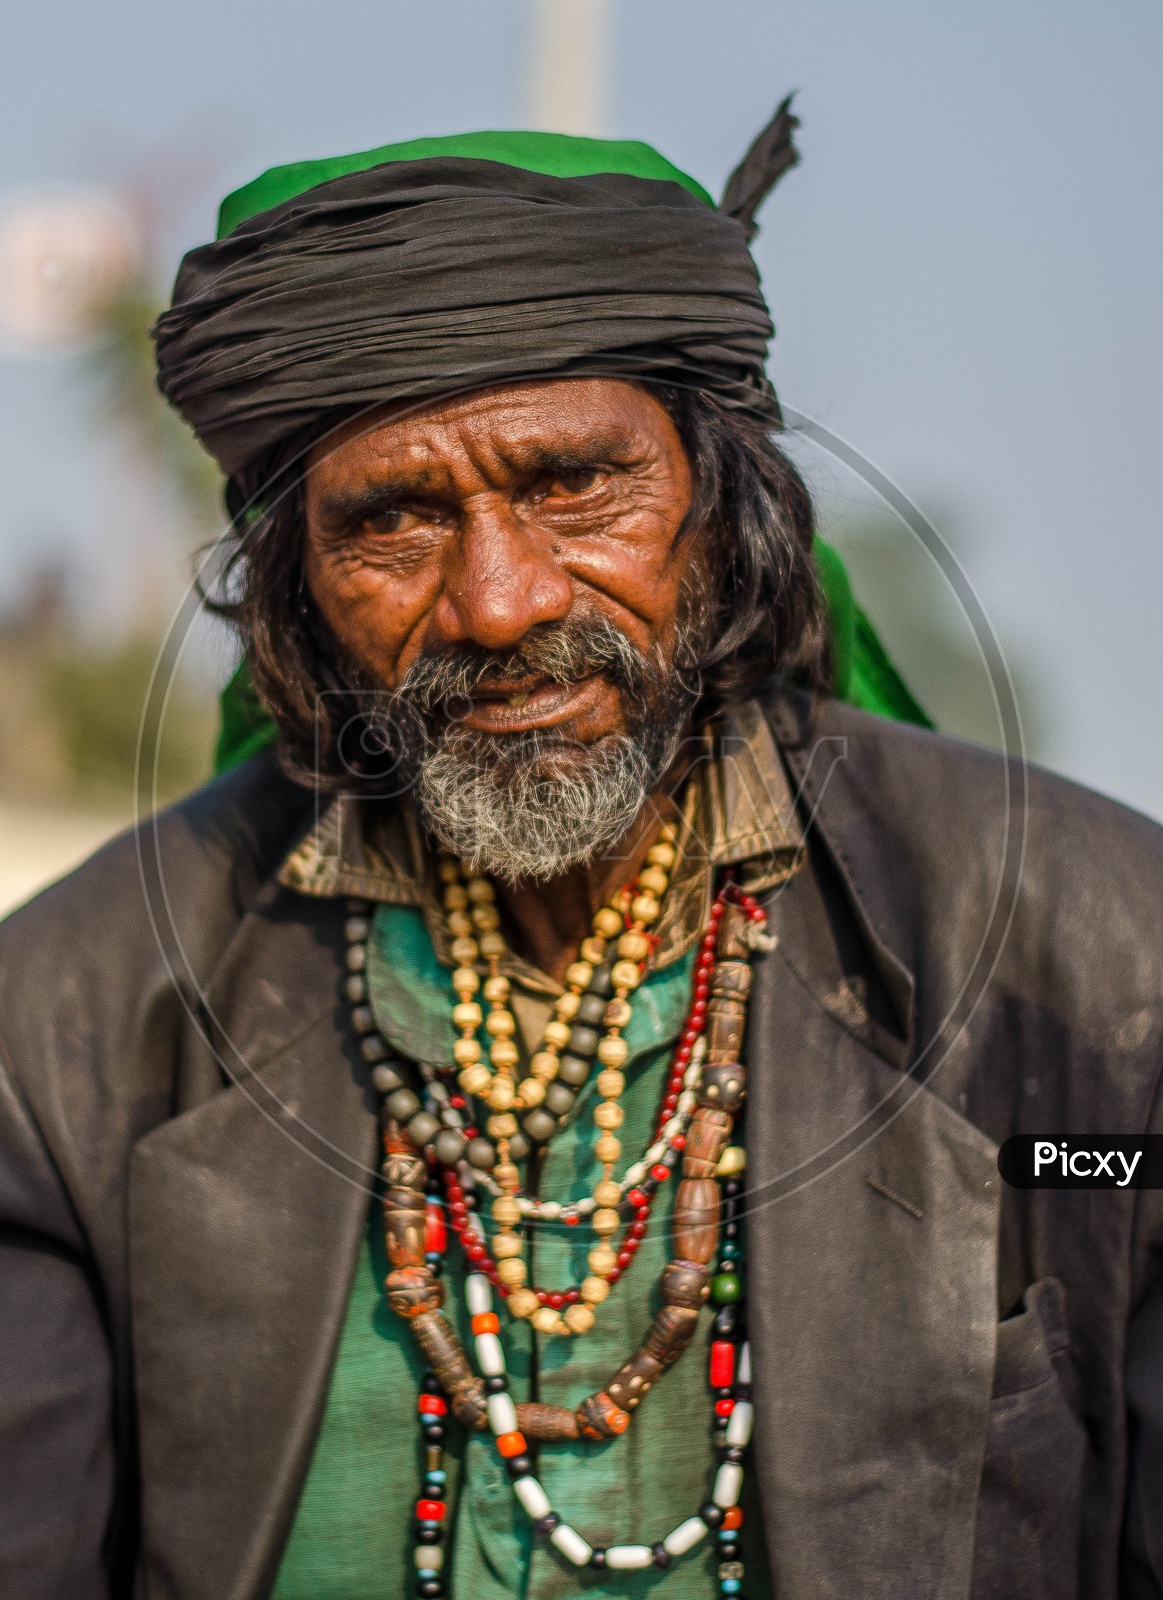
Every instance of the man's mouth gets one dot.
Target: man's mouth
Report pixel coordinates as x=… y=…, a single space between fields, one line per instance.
x=518 y=707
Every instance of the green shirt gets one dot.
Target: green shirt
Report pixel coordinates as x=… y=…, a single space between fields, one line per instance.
x=352 y=1537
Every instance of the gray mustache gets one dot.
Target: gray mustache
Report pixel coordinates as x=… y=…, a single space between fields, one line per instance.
x=564 y=652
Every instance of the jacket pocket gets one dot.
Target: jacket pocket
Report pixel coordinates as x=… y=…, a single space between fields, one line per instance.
x=1026 y=1543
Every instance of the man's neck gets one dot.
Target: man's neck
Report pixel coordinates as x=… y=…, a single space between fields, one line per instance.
x=548 y=921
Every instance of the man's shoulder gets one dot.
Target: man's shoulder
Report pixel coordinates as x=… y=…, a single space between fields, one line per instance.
x=193 y=866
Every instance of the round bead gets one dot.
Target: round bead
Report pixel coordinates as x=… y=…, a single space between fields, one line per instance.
x=593 y=1291
x=500 y=1024
x=573 y=1070
x=593 y=950
x=481 y=1155
x=355 y=988
x=402 y=1104
x=423 y=1127
x=726 y=1289
x=607 y=923
x=609 y=1116
x=601 y=1261
x=496 y=990
x=512 y=1273
x=546 y=1320
x=661 y=855
x=486 y=918
x=455 y=897
x=373 y=1047
x=500 y=1127
x=591 y=1010
x=607 y=1193
x=386 y=1078
x=506 y=1212
x=522 y=1303
x=449 y=869
x=460 y=924
x=531 y=1093
x=511 y=1444
x=558 y=1099
x=467 y=1014
x=492 y=946
x=604 y=1221
x=544 y=1065
x=578 y=1319
x=625 y=975
x=502 y=1093
x=475 y=1079
x=505 y=1245
x=518 y=1147
x=505 y=1172
x=567 y=1005
x=465 y=981
x=733 y=1159
x=617 y=1013
x=633 y=946
x=356 y=958
x=464 y=952
x=644 y=908
x=578 y=974
x=711 y=1514
x=503 y=1054
x=539 y=1125
x=480 y=891
x=653 y=880
x=557 y=1034
x=465 y=1052
x=607 y=1149
x=611 y=1083
x=613 y=1052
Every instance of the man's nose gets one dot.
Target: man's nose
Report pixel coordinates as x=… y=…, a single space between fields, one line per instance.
x=503 y=579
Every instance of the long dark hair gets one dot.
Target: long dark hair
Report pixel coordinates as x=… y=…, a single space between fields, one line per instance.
x=747 y=495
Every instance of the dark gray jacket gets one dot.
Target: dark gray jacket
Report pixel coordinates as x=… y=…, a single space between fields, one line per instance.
x=959 y=1389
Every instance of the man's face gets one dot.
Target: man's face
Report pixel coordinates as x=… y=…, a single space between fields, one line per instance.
x=507 y=567
x=482 y=518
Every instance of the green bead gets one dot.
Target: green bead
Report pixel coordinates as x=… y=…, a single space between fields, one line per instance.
x=726 y=1289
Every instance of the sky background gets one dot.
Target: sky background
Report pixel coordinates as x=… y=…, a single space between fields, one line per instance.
x=964 y=271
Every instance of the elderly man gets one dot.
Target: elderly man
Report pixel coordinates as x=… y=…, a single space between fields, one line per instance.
x=534 y=1130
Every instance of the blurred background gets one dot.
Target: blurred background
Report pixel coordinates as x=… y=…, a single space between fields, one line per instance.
x=964 y=273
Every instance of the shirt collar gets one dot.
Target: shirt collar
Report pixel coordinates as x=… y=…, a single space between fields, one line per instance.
x=736 y=808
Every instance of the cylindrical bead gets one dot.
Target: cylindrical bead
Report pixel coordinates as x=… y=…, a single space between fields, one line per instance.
x=633 y=1381
x=685 y=1536
x=533 y=1497
x=726 y=1021
x=629 y=1557
x=732 y=943
x=732 y=978
x=478 y=1293
x=685 y=1283
x=490 y=1355
x=739 y=1425
x=696 y=1219
x=571 y=1544
x=405 y=1170
x=706 y=1139
x=722 y=1374
x=413 y=1292
x=546 y=1424
x=728 y=1482
x=670 y=1333
x=435 y=1229
x=502 y=1414
x=745 y=1363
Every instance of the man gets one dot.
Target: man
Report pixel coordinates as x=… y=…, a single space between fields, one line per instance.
x=525 y=586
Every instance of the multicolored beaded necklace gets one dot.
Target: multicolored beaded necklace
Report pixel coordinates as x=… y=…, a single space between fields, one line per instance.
x=706 y=1069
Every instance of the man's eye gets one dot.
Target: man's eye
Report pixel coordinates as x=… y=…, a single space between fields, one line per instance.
x=576 y=481
x=396 y=520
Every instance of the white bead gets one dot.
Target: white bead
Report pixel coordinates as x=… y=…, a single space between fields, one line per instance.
x=550 y=1210
x=428 y=1557
x=685 y=1536
x=628 y=1557
x=744 y=1373
x=571 y=1544
x=691 y=1076
x=739 y=1423
x=655 y=1152
x=503 y=1413
x=586 y=1207
x=728 y=1482
x=633 y=1176
x=478 y=1293
x=529 y=1208
x=672 y=1127
x=490 y=1355
x=532 y=1497
x=687 y=1101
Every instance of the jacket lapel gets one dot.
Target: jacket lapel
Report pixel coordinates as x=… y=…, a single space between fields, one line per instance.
x=872 y=1246
x=246 y=1215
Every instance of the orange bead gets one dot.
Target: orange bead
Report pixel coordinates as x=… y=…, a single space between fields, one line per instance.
x=733 y=1518
x=511 y=1444
x=486 y=1322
